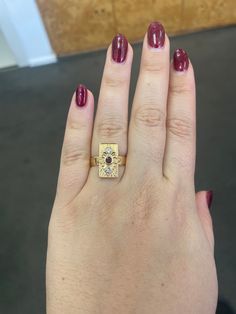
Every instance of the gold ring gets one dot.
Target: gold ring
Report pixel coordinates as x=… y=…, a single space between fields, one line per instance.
x=108 y=161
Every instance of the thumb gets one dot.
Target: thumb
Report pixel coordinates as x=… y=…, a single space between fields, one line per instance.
x=204 y=201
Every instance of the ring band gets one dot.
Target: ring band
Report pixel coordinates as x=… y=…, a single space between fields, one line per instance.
x=108 y=161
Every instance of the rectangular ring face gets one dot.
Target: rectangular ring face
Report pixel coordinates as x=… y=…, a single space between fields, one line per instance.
x=108 y=160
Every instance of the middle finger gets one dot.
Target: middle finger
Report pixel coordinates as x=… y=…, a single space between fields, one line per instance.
x=146 y=139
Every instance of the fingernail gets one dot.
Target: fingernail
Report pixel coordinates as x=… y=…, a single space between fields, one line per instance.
x=181 y=61
x=209 y=197
x=81 y=95
x=119 y=48
x=156 y=35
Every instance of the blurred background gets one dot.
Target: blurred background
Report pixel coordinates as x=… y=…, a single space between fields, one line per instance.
x=47 y=47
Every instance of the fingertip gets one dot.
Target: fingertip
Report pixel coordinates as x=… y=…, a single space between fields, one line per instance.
x=90 y=98
x=180 y=60
x=167 y=41
x=82 y=97
x=165 y=47
x=110 y=55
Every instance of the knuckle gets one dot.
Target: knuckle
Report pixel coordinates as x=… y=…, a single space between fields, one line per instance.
x=73 y=153
x=111 y=79
x=182 y=128
x=75 y=125
x=153 y=67
x=149 y=116
x=143 y=203
x=180 y=88
x=110 y=126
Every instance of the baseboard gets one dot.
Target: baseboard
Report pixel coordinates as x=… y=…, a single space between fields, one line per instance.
x=43 y=60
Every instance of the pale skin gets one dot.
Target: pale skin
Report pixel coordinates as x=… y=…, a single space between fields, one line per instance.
x=141 y=243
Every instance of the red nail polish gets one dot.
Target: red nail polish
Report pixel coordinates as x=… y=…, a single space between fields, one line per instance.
x=119 y=48
x=156 y=35
x=181 y=61
x=81 y=95
x=209 y=197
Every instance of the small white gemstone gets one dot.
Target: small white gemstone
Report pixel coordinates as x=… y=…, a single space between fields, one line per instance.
x=108 y=170
x=108 y=150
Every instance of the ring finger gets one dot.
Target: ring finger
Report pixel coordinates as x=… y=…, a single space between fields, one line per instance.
x=111 y=119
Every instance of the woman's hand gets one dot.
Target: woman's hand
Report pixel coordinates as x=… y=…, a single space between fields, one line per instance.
x=142 y=242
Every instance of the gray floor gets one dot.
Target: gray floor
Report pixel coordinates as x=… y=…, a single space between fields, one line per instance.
x=33 y=108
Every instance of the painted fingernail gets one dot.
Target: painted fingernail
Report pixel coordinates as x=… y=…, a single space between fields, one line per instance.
x=180 y=60
x=156 y=35
x=119 y=48
x=209 y=197
x=81 y=95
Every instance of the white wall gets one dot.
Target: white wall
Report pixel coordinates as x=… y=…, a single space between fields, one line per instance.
x=22 y=26
x=7 y=58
